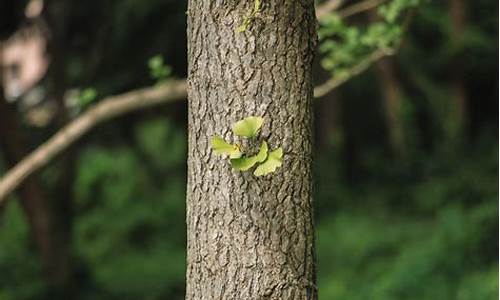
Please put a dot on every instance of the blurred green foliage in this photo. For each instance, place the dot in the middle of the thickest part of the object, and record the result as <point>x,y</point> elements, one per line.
<point>422,231</point>
<point>86,97</point>
<point>345,44</point>
<point>157,68</point>
<point>20,270</point>
<point>131,229</point>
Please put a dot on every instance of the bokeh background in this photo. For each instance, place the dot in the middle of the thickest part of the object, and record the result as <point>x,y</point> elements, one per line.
<point>406,151</point>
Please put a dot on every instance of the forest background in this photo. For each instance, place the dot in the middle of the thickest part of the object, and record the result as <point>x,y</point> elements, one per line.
<point>406,150</point>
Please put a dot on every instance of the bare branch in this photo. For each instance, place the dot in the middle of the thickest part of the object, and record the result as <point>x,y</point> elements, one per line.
<point>106,109</point>
<point>327,7</point>
<point>359,7</point>
<point>362,66</point>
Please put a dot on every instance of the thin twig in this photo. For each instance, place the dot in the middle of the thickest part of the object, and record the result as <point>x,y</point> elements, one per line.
<point>359,68</point>
<point>327,7</point>
<point>359,7</point>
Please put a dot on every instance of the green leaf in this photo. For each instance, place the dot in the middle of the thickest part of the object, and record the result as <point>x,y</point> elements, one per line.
<point>241,28</point>
<point>220,146</point>
<point>158,69</point>
<point>248,127</point>
<point>272,162</point>
<point>87,96</point>
<point>256,6</point>
<point>155,62</point>
<point>245,163</point>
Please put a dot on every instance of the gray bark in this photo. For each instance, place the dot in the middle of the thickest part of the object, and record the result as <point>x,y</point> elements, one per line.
<point>249,237</point>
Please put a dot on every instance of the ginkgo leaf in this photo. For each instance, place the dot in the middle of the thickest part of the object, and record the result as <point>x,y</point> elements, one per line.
<point>220,146</point>
<point>245,163</point>
<point>272,162</point>
<point>248,127</point>
<point>256,6</point>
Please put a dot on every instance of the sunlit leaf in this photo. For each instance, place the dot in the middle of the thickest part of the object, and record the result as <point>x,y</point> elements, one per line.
<point>158,69</point>
<point>248,127</point>
<point>256,6</point>
<point>87,96</point>
<point>245,163</point>
<point>241,28</point>
<point>273,161</point>
<point>220,146</point>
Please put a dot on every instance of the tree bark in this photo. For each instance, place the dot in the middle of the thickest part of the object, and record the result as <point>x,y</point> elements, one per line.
<point>249,237</point>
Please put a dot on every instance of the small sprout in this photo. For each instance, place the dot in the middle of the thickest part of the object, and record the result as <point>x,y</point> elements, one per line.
<point>157,68</point>
<point>244,163</point>
<point>87,96</point>
<point>250,17</point>
<point>273,161</point>
<point>222,147</point>
<point>248,127</point>
<point>267,162</point>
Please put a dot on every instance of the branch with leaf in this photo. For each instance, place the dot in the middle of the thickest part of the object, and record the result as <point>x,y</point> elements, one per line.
<point>175,90</point>
<point>349,50</point>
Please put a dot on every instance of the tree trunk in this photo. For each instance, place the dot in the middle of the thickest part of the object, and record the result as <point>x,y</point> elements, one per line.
<point>249,237</point>
<point>53,252</point>
<point>458,24</point>
<point>58,14</point>
<point>392,99</point>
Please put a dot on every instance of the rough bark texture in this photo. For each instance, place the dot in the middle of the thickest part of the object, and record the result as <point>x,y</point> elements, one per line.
<point>248,237</point>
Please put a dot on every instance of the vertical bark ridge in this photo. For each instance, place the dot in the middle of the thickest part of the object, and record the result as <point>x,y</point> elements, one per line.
<point>249,237</point>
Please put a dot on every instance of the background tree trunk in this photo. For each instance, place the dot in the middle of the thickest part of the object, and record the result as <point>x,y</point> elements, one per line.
<point>458,90</point>
<point>53,251</point>
<point>392,99</point>
<point>248,237</point>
